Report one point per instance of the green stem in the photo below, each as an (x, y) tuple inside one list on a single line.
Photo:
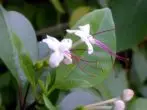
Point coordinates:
[(51, 89)]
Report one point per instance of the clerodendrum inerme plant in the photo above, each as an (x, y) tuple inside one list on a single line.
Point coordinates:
[(62, 50)]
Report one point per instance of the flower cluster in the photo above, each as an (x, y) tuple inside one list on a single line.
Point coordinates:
[(118, 103), (61, 50)]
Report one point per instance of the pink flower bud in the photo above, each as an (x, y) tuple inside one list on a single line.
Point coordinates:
[(119, 105), (127, 95)]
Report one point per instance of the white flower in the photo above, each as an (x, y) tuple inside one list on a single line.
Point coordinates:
[(127, 95), (84, 34), (61, 51), (119, 105)]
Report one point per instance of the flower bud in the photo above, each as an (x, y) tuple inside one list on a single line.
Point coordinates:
[(127, 95), (119, 105)]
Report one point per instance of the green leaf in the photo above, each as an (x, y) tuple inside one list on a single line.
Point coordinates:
[(99, 20), (20, 42), (74, 4), (25, 62), (114, 85), (130, 19), (139, 63), (73, 83), (77, 14), (138, 104), (58, 6), (4, 78), (42, 86), (25, 32), (48, 104), (78, 97)]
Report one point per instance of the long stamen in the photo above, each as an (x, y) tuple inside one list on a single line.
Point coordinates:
[(107, 49)]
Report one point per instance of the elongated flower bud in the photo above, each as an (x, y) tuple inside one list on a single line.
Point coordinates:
[(127, 95)]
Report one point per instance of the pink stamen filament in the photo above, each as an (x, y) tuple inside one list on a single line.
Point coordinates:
[(86, 62), (107, 49)]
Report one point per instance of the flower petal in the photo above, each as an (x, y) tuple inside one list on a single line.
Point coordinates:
[(85, 28), (83, 35), (90, 47), (66, 44), (70, 31), (55, 59), (107, 49), (52, 42)]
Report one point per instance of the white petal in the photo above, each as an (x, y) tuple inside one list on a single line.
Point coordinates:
[(70, 31), (83, 35), (55, 59), (66, 44), (85, 28), (90, 47), (52, 42)]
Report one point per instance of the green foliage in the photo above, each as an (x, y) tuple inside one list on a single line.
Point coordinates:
[(139, 104), (57, 5), (27, 81), (99, 20), (77, 14), (130, 21)]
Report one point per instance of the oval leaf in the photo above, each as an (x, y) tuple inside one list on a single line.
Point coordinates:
[(99, 20)]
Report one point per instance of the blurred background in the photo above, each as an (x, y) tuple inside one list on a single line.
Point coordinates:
[(54, 16)]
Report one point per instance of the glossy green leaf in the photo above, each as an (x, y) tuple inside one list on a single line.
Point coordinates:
[(138, 104), (58, 5), (11, 53), (99, 20), (24, 30), (48, 104), (25, 62), (130, 19)]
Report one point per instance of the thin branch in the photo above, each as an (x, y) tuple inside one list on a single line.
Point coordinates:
[(101, 103), (53, 30), (25, 98), (20, 97)]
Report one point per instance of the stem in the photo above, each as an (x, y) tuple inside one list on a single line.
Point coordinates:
[(102, 103), (24, 101), (51, 89), (20, 97), (100, 108)]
